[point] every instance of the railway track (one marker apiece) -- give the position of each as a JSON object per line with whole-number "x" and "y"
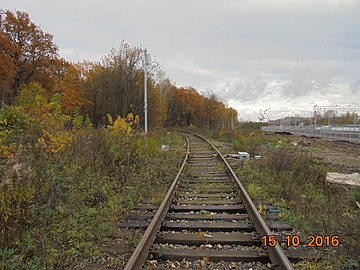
{"x": 207, "y": 220}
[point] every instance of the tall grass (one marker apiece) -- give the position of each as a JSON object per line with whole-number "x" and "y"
{"x": 58, "y": 208}
{"x": 294, "y": 180}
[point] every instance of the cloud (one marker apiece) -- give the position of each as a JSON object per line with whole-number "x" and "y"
{"x": 285, "y": 54}
{"x": 244, "y": 90}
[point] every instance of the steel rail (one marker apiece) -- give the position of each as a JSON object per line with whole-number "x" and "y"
{"x": 140, "y": 254}
{"x": 276, "y": 253}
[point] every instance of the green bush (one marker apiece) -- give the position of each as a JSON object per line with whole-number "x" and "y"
{"x": 295, "y": 182}
{"x": 73, "y": 198}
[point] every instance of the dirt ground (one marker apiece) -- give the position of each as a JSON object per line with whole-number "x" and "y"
{"x": 343, "y": 157}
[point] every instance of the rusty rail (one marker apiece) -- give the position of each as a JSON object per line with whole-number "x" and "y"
{"x": 139, "y": 256}
{"x": 277, "y": 255}
{"x": 142, "y": 250}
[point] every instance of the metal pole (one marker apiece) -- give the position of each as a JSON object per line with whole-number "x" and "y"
{"x": 355, "y": 126}
{"x": 145, "y": 90}
{"x": 315, "y": 118}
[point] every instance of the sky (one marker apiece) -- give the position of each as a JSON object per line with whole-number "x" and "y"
{"x": 282, "y": 55}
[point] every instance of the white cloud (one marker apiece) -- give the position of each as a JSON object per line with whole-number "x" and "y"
{"x": 282, "y": 54}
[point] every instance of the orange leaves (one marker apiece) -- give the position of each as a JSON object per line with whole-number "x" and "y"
{"x": 72, "y": 88}
{"x": 35, "y": 44}
{"x": 7, "y": 67}
{"x": 27, "y": 53}
{"x": 7, "y": 48}
{"x": 189, "y": 106}
{"x": 6, "y": 151}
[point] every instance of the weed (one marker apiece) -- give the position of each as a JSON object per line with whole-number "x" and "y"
{"x": 254, "y": 191}
{"x": 73, "y": 197}
{"x": 294, "y": 181}
{"x": 204, "y": 212}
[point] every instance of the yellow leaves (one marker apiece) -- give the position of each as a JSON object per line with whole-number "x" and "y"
{"x": 262, "y": 209}
{"x": 137, "y": 120}
{"x": 6, "y": 150}
{"x": 3, "y": 122}
{"x": 132, "y": 122}
{"x": 54, "y": 143}
{"x": 110, "y": 120}
{"x": 119, "y": 126}
{"x": 130, "y": 117}
{"x": 59, "y": 143}
{"x": 200, "y": 234}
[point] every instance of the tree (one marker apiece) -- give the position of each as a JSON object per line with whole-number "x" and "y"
{"x": 187, "y": 107}
{"x": 117, "y": 84}
{"x": 71, "y": 86}
{"x": 212, "y": 102}
{"x": 7, "y": 68}
{"x": 157, "y": 108}
{"x": 167, "y": 90}
{"x": 28, "y": 53}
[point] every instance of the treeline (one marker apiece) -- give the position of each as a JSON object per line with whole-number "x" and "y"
{"x": 113, "y": 86}
{"x": 330, "y": 117}
{"x": 61, "y": 177}
{"x": 348, "y": 118}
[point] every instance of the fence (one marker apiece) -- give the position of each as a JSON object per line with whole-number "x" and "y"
{"x": 340, "y": 133}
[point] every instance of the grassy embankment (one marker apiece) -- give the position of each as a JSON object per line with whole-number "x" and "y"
{"x": 62, "y": 191}
{"x": 290, "y": 178}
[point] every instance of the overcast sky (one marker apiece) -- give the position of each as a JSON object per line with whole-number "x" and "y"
{"x": 286, "y": 55}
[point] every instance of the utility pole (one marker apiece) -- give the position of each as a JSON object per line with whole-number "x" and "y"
{"x": 146, "y": 62}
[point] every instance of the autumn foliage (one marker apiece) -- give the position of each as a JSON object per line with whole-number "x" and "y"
{"x": 71, "y": 142}
{"x": 27, "y": 53}
{"x": 114, "y": 86}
